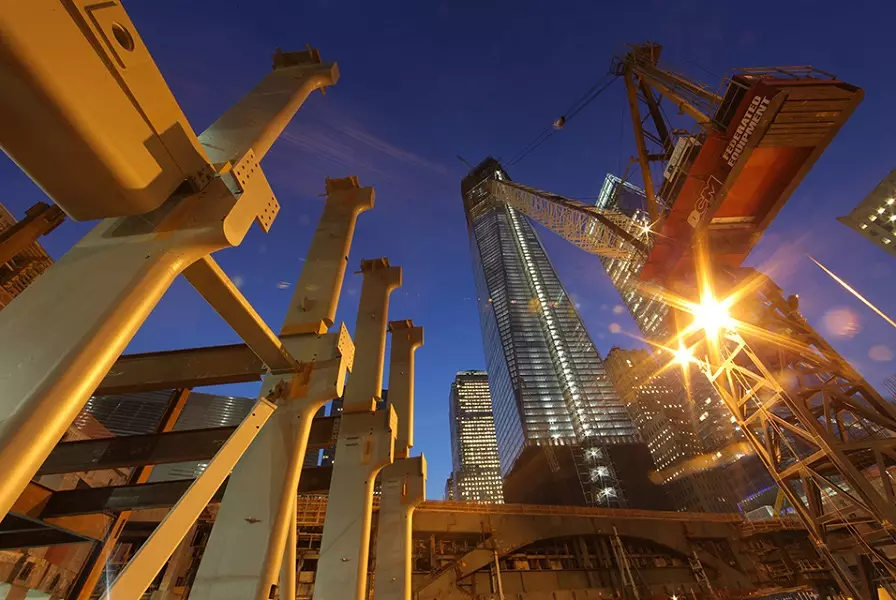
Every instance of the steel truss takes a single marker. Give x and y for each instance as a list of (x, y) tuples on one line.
[(824, 434), (594, 230)]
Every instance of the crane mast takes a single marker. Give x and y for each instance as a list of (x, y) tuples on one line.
[(824, 434)]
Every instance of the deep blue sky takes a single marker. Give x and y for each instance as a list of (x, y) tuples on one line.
[(424, 81)]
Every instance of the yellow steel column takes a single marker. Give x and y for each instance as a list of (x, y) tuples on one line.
[(365, 446), (244, 554), (404, 481)]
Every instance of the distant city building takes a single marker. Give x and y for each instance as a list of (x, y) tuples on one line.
[(666, 421), (875, 216), (548, 383), (450, 491), (27, 265), (650, 314), (476, 475)]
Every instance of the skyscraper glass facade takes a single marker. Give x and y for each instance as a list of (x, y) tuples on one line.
[(649, 314), (476, 475), (547, 380)]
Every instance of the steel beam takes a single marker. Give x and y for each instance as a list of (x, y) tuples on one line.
[(27, 534), (313, 306), (809, 415), (403, 482), (193, 367), (255, 122), (213, 284), (403, 489), (62, 506), (91, 303), (365, 446), (39, 220), (380, 280), (31, 503), (155, 448), (405, 340)]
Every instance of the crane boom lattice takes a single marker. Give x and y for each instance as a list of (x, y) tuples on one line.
[(594, 230), (824, 434)]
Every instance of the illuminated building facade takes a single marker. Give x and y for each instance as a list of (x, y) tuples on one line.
[(665, 418), (476, 475), (548, 383), (875, 216), (650, 314)]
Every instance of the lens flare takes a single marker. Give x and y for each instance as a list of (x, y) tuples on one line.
[(683, 355), (712, 316)]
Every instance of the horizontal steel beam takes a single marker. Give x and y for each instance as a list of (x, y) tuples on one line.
[(193, 367), (152, 495), (19, 532), (157, 448), (25, 520)]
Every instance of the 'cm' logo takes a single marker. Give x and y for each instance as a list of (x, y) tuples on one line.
[(704, 201)]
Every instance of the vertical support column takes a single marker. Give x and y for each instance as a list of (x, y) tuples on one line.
[(365, 446), (314, 302), (380, 280), (404, 481), (244, 553), (405, 340), (90, 304), (403, 489), (288, 568)]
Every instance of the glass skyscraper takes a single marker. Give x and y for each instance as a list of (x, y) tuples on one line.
[(548, 383), (476, 475)]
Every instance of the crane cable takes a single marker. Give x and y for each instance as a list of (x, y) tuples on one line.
[(593, 92)]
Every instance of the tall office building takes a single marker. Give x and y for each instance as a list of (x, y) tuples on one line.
[(650, 314), (666, 419), (450, 490), (557, 416), (476, 475), (875, 216)]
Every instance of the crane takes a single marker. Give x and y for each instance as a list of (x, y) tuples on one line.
[(825, 435)]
